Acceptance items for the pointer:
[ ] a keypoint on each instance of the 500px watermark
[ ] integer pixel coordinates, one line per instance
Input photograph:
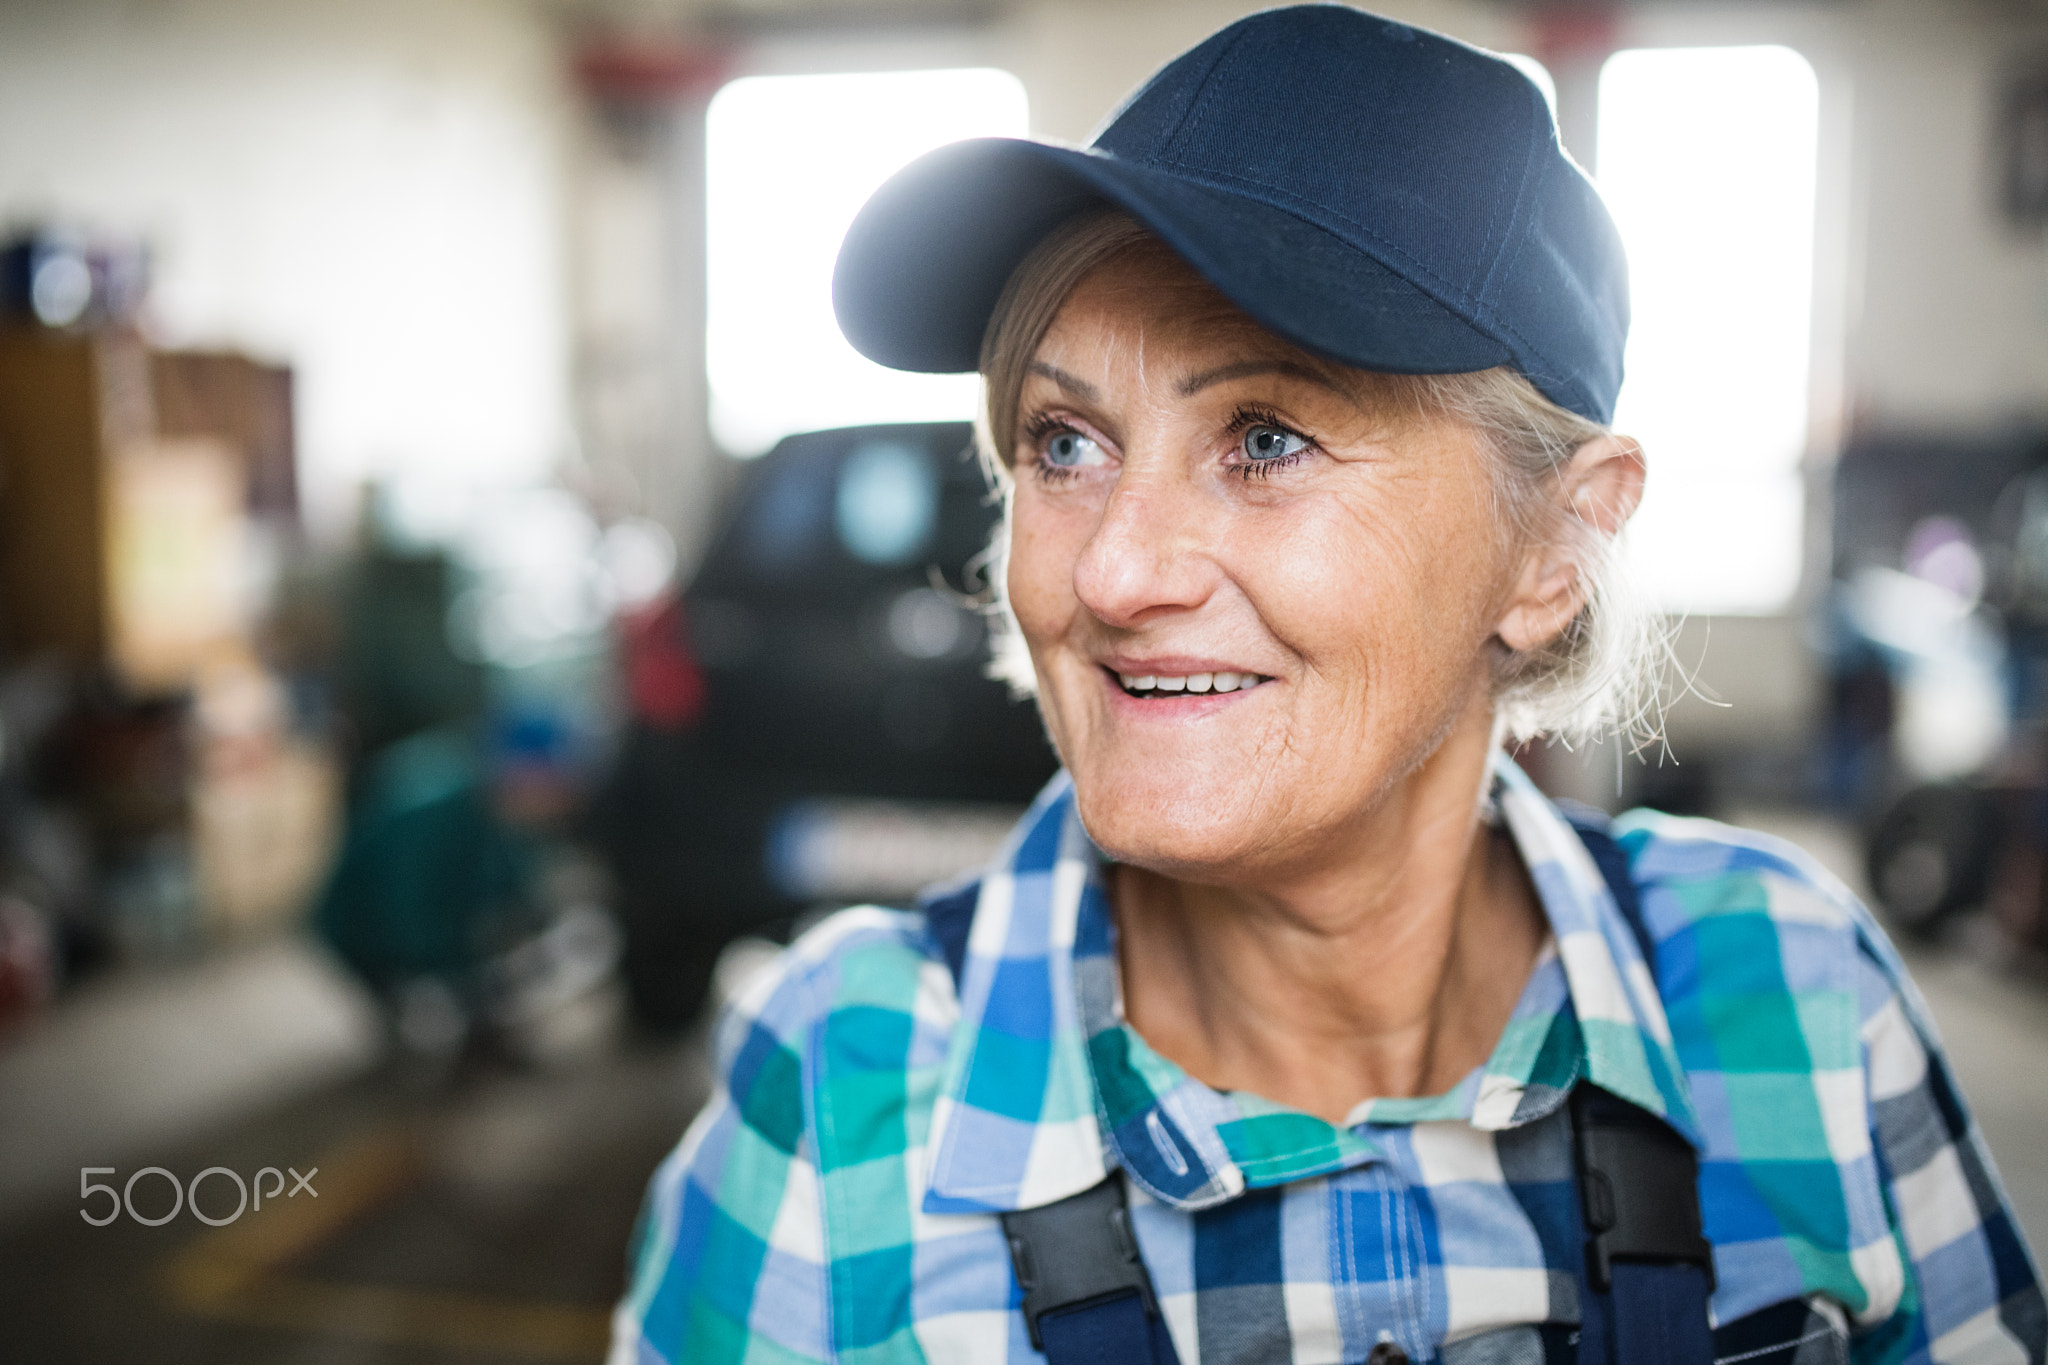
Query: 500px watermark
(184, 1196)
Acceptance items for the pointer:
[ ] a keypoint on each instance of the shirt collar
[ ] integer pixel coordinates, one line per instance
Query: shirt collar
(1045, 1089)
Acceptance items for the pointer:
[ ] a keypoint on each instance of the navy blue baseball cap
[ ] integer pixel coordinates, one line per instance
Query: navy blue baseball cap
(1378, 194)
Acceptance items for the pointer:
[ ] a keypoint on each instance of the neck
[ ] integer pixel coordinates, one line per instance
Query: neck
(1387, 972)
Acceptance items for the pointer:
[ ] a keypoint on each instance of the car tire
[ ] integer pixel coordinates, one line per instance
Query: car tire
(1930, 855)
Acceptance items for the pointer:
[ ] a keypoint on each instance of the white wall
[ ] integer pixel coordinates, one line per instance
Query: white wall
(1950, 326)
(370, 191)
(638, 289)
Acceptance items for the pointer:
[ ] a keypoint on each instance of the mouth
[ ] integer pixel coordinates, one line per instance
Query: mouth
(1163, 685)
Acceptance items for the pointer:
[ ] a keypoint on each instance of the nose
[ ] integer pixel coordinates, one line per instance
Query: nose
(1148, 553)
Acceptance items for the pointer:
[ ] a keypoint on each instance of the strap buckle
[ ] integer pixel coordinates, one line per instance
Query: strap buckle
(1078, 1251)
(1638, 1188)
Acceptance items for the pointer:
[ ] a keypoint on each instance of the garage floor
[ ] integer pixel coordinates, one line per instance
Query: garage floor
(485, 1223)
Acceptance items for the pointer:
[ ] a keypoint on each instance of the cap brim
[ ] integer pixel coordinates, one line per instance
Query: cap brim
(926, 258)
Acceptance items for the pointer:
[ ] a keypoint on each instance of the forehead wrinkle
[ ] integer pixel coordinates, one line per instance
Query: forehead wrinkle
(1243, 369)
(1190, 308)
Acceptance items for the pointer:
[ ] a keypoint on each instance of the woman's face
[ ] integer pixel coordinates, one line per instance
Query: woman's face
(1198, 502)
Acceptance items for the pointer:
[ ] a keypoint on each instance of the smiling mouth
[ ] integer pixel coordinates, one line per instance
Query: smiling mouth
(1186, 684)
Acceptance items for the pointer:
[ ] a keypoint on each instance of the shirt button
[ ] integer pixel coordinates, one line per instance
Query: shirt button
(1386, 1353)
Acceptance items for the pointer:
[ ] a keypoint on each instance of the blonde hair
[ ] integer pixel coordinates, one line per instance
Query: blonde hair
(1596, 676)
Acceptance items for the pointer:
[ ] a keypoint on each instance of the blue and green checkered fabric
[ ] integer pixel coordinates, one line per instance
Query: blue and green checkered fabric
(838, 1199)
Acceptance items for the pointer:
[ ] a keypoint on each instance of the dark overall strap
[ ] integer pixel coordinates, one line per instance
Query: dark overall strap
(1087, 1297)
(1642, 1290)
(1648, 1266)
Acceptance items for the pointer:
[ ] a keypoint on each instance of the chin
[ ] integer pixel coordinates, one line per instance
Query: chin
(1193, 825)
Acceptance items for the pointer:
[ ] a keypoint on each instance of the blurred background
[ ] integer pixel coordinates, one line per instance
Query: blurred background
(462, 604)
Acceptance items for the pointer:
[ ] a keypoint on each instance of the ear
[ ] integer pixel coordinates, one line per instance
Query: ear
(1599, 489)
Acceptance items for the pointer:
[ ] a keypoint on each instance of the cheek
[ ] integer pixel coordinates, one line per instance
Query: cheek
(1374, 601)
(1044, 547)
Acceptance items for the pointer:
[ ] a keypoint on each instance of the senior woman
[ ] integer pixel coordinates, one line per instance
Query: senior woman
(1294, 1024)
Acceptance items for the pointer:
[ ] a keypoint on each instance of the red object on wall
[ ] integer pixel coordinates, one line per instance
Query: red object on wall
(663, 683)
(1569, 34)
(651, 70)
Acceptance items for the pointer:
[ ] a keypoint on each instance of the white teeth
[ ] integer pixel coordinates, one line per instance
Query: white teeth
(1191, 683)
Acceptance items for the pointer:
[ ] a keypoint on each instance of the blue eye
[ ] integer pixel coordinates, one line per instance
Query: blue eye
(1071, 450)
(1262, 443)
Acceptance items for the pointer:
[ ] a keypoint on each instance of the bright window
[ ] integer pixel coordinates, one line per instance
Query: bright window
(1706, 157)
(789, 161)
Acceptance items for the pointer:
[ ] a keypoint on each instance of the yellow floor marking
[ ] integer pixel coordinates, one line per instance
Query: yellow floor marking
(413, 1317)
(237, 1273)
(359, 1176)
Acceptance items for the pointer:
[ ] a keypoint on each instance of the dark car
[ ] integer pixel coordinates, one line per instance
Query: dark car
(846, 743)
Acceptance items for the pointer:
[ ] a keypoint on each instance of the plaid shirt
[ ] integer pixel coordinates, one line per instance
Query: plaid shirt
(838, 1198)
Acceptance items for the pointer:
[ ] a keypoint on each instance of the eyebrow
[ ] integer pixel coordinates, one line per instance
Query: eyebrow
(1243, 369)
(1071, 383)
